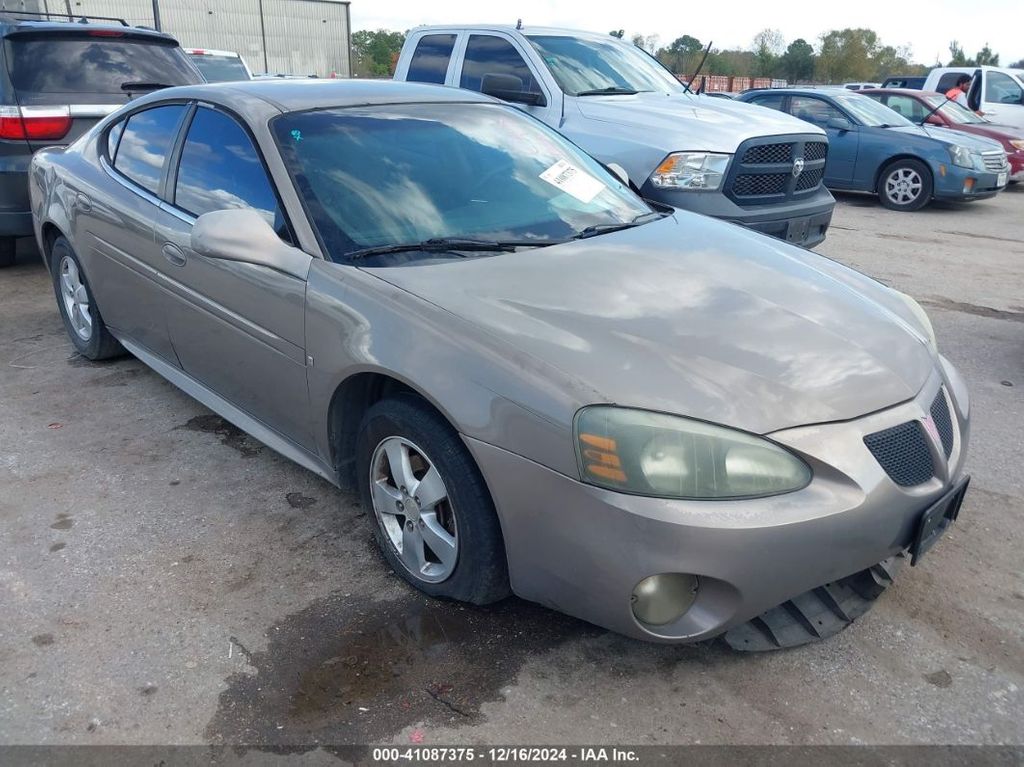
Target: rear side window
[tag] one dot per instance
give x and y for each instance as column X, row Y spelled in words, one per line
column 489, row 55
column 83, row 65
column 430, row 61
column 772, row 101
column 145, row 143
column 947, row 81
column 910, row 108
column 220, row 169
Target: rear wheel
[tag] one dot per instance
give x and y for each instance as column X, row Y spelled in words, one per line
column 434, row 518
column 905, row 185
column 82, row 319
column 8, row 250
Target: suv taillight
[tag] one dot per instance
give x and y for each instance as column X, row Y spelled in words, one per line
column 34, row 123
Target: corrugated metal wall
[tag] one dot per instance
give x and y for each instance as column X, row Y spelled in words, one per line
column 302, row 36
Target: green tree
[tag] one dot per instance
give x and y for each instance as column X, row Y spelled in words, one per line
column 957, row 57
column 768, row 44
column 682, row 55
column 374, row 53
column 986, row 57
column 846, row 54
column 1017, row 64
column 797, row 63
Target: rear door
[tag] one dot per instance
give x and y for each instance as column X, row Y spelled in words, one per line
column 237, row 328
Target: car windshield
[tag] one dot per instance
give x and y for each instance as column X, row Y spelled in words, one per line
column 585, row 66
column 396, row 174
column 220, row 69
column 953, row 112
column 869, row 112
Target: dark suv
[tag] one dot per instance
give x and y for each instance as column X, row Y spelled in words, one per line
column 58, row 77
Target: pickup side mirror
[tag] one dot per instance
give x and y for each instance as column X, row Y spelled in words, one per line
column 242, row 234
column 839, row 124
column 510, row 88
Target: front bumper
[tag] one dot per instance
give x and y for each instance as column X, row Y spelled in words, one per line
column 581, row 550
column 967, row 184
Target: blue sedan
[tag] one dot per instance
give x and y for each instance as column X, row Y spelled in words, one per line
column 874, row 149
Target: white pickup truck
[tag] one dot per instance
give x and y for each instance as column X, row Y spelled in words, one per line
column 996, row 92
column 738, row 162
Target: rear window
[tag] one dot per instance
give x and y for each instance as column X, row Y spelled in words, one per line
column 54, row 64
column 220, row 69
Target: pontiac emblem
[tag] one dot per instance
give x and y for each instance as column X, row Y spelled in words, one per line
column 798, row 167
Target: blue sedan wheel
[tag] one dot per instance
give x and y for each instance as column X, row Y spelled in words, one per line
column 905, row 185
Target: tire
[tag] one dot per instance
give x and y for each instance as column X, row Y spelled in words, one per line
column 469, row 562
column 905, row 185
column 82, row 319
column 8, row 251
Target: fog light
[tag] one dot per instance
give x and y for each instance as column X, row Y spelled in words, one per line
column 968, row 185
column 662, row 599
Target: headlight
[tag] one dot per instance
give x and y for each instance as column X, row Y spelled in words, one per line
column 691, row 171
column 922, row 318
column 1017, row 143
column 668, row 456
column 961, row 155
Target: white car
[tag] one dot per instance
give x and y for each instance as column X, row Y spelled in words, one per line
column 860, row 86
column 219, row 66
column 996, row 92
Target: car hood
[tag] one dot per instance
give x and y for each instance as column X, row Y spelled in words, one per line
column 977, row 143
column 682, row 121
column 693, row 316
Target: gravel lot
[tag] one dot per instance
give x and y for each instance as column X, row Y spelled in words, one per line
column 166, row 579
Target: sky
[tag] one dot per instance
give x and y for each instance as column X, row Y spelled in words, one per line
column 927, row 27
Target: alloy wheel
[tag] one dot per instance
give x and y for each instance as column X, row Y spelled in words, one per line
column 903, row 186
column 76, row 298
column 411, row 504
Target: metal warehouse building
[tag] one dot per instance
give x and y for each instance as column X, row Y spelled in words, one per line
column 301, row 37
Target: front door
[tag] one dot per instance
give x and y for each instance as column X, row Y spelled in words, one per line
column 237, row 328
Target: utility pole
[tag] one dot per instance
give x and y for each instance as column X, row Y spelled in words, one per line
column 156, row 15
column 263, row 36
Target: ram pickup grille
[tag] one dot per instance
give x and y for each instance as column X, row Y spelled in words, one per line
column 943, row 422
column 769, row 170
column 995, row 161
column 903, row 452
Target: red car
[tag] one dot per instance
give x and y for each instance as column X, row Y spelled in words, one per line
column 941, row 112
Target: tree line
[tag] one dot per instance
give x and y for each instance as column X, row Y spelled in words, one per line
column 840, row 55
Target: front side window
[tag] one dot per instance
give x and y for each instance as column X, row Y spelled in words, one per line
column 220, row 169
column 583, row 66
column 430, row 61
column 1003, row 89
column 145, row 143
column 909, row 107
column 490, row 55
column 400, row 174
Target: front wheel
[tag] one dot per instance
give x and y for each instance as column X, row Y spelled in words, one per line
column 905, row 185
column 434, row 518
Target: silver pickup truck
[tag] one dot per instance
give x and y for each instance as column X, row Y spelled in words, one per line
column 733, row 161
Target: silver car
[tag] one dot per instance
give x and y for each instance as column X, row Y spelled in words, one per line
column 540, row 383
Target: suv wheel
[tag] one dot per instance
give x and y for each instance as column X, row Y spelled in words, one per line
column 82, row 319
column 434, row 518
column 8, row 250
column 905, row 185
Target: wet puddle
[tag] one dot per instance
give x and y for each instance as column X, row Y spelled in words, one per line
column 345, row 671
column 229, row 434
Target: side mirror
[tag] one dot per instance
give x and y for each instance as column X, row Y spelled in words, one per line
column 619, row 172
column 510, row 88
column 242, row 234
column 839, row 124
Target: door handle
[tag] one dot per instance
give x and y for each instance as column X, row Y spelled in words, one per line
column 174, row 254
column 83, row 203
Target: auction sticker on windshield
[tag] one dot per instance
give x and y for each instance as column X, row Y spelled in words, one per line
column 572, row 180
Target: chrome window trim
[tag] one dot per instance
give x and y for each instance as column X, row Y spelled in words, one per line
column 128, row 184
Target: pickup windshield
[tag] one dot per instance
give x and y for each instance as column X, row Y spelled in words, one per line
column 953, row 112
column 394, row 175
column 582, row 66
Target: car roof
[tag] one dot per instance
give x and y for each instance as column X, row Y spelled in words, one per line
column 903, row 91
column 826, row 90
column 13, row 24
column 550, row 31
column 298, row 95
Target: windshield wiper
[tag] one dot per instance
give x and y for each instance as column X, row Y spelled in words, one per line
column 132, row 86
column 611, row 91
column 596, row 229
column 447, row 244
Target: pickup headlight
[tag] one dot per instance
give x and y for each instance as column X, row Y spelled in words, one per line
column 691, row 171
column 922, row 319
column 961, row 155
column 668, row 456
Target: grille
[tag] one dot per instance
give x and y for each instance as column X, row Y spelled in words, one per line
column 750, row 185
column 903, row 452
column 995, row 161
column 815, row 150
column 767, row 154
column 809, row 179
column 943, row 422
